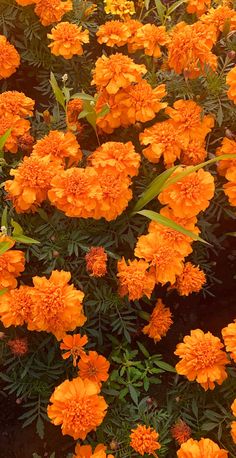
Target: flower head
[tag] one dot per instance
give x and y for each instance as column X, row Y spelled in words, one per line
column 133, row 25
column 144, row 440
column 181, row 432
column 150, row 37
column 19, row 127
column 113, row 33
column 58, row 146
column 202, row 359
column 96, row 261
column 191, row 280
column 74, row 108
column 219, row 17
column 198, row 6
column 16, row 306
column 25, row 2
column 85, row 451
column 160, row 322
column 227, row 147
column 73, row 344
column 113, row 119
column 77, row 407
column 16, row 104
column 203, row 448
column 116, row 156
column 9, row 58
column 19, row 347
column 230, row 187
column 67, row 40
column 231, row 81
column 94, row 367
column 12, row 264
column 122, row 8
column 233, row 424
column 50, row 11
column 135, row 280
column 229, row 337
column 194, row 153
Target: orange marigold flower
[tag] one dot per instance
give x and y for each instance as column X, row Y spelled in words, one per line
column 189, row 50
column 19, row 347
column 58, row 146
column 18, row 126
column 150, row 37
column 144, row 440
column 31, row 183
column 133, row 25
column 181, row 432
column 16, row 306
column 159, row 323
column 198, row 6
column 230, row 188
column 96, row 261
column 94, row 367
column 85, row 451
column 166, row 261
column 74, row 345
column 74, row 108
column 202, row 359
column 67, row 40
column 122, row 8
column 12, row 264
column 113, row 33
column 194, row 154
column 113, row 119
column 219, row 18
column 57, row 306
column 191, row 280
column 231, row 81
column 229, row 337
column 16, row 104
column 117, row 71
column 227, row 147
column 77, row 406
column 50, row 11
column 190, row 195
column 9, row 58
column 116, row 156
column 134, row 279
column 203, row 448
column 25, row 2
column 233, row 431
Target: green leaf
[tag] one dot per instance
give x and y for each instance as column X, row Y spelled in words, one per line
column 143, row 349
column 133, row 394
column 4, row 138
column 17, row 228
column 3, row 291
column 4, row 217
column 154, row 216
column 83, row 96
column 174, row 6
column 104, row 111
column 4, row 246
column 161, row 9
column 209, row 426
column 40, row 427
column 57, row 91
column 165, row 366
column 24, row 239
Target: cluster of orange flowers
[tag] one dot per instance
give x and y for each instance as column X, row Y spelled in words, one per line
column 227, row 168
column 48, row 11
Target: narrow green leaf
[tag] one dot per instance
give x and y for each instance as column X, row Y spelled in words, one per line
column 57, row 91
column 4, row 246
column 165, row 366
column 4, row 217
column 83, row 96
column 174, row 6
column 143, row 349
column 17, row 228
column 3, row 291
column 4, row 138
column 24, row 239
column 133, row 394
column 161, row 9
column 40, row 427
column 104, row 111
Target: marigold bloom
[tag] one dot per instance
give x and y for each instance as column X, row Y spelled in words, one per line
column 181, row 432
column 202, row 359
column 74, row 108
column 189, row 50
column 115, row 72
column 233, row 431
column 190, row 195
column 77, row 406
column 113, row 33
column 18, row 126
column 194, row 154
column 198, row 6
column 144, row 440
column 230, row 188
column 67, row 40
column 19, row 347
column 58, row 146
column 12, row 264
column 150, row 37
column 50, row 11
column 134, row 279
column 25, row 143
column 31, row 183
column 166, row 261
column 229, row 337
column 219, row 18
column 160, row 322
column 231, row 81
column 227, row 147
column 85, row 451
column 25, row 2
column 9, row 58
column 133, row 25
column 113, row 119
column 191, row 280
column 16, row 306
column 94, row 367
column 96, row 261
column 57, row 306
column 74, row 345
column 117, row 156
column 203, row 448
column 16, row 104
column 122, row 8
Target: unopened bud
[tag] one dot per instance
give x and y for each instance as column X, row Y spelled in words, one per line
column 231, row 55
column 229, row 134
column 55, row 253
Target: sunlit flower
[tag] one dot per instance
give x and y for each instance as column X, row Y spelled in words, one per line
column 159, row 323
column 16, row 306
column 134, row 279
column 74, row 346
column 191, row 280
column 229, row 337
column 12, row 264
column 190, row 195
column 16, row 104
column 94, row 367
column 19, row 346
column 231, row 81
column 194, row 153
column 50, row 11
column 144, row 440
column 203, row 448
column 150, row 37
column 202, row 359
column 59, row 146
column 113, row 33
column 181, row 432
column 18, row 126
column 220, row 17
column 57, row 306
column 230, row 187
column 77, row 407
column 67, row 40
column 228, row 146
column 198, row 6
column 85, row 451
column 122, row 8
column 117, row 71
column 96, row 261
column 9, row 58
column 117, row 156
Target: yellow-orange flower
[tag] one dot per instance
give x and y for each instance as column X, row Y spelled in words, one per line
column 77, row 407
column 115, row 72
column 150, row 37
column 159, row 323
column 50, row 11
column 16, row 306
column 31, row 183
column 202, row 359
column 191, row 280
column 230, row 187
column 229, row 337
column 58, row 146
column 134, row 279
column 67, row 40
column 19, row 347
column 203, row 448
column 16, row 104
column 194, row 153
column 96, row 261
column 144, row 440
column 85, row 451
column 113, row 33
column 190, row 195
column 113, row 119
column 181, row 432
column 231, row 81
column 74, row 345
column 219, row 18
column 94, row 367
column 166, row 261
column 227, row 147
column 19, row 127
column 198, row 6
column 122, row 8
column 116, row 156
column 25, row 2
column 12, row 264
column 9, row 58
column 133, row 25
column 57, row 306
column 233, row 424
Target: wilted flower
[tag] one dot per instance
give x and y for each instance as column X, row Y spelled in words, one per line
column 96, row 261
column 181, row 432
column 159, row 323
column 18, row 346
